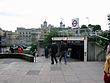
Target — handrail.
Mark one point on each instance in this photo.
(99, 36)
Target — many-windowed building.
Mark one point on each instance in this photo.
(27, 36)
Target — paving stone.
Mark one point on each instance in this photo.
(28, 81)
(73, 82)
(45, 78)
(58, 81)
(57, 78)
(89, 81)
(33, 72)
(71, 78)
(41, 81)
(2, 81)
(44, 72)
(84, 77)
(55, 68)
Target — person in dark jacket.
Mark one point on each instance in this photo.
(11, 49)
(63, 51)
(46, 52)
(54, 50)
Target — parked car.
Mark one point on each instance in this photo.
(27, 50)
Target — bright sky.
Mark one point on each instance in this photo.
(32, 13)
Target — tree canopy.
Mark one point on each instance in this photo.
(48, 39)
(84, 27)
(92, 27)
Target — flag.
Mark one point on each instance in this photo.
(75, 23)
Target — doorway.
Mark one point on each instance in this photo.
(77, 50)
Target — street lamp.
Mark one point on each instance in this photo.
(0, 43)
(87, 20)
(108, 20)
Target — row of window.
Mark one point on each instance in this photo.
(25, 32)
(25, 36)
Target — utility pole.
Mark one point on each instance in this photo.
(108, 18)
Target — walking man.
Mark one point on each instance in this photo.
(54, 50)
(63, 51)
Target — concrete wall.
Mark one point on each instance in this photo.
(95, 52)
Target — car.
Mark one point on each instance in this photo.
(28, 48)
(24, 46)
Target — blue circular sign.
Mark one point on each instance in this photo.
(74, 23)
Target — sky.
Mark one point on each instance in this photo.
(32, 13)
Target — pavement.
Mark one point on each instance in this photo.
(20, 71)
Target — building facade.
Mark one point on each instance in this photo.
(26, 36)
(23, 36)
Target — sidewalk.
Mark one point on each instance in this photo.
(19, 71)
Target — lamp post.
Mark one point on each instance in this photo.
(108, 20)
(87, 20)
(0, 43)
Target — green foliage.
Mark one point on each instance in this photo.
(100, 41)
(48, 37)
(69, 34)
(92, 27)
(84, 27)
(96, 27)
(105, 34)
(33, 46)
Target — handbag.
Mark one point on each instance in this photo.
(106, 77)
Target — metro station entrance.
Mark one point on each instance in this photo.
(77, 50)
(77, 47)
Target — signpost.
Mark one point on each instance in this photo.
(75, 23)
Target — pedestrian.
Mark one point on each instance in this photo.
(107, 69)
(54, 50)
(11, 49)
(63, 51)
(46, 52)
(34, 53)
(20, 50)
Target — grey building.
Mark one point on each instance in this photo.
(27, 36)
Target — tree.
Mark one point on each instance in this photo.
(98, 40)
(48, 38)
(90, 26)
(33, 47)
(96, 27)
(84, 27)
